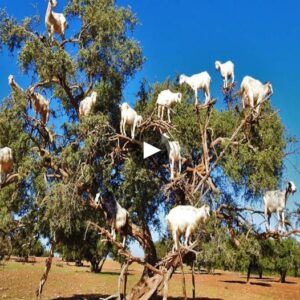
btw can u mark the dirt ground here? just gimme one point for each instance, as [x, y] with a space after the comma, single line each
[66, 282]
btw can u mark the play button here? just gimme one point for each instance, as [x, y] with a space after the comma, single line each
[149, 150]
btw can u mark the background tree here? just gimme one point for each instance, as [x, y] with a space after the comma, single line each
[286, 255]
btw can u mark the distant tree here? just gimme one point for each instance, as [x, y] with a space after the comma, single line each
[81, 249]
[296, 258]
[162, 247]
[38, 249]
[5, 247]
[286, 256]
[265, 259]
[214, 251]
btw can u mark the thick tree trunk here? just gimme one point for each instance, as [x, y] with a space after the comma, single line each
[282, 276]
[95, 265]
[260, 273]
[144, 238]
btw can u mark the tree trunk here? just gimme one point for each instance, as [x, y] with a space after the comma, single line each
[101, 264]
[282, 276]
[248, 272]
[95, 265]
[144, 238]
[296, 270]
[260, 273]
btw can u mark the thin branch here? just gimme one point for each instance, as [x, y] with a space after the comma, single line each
[48, 264]
[122, 251]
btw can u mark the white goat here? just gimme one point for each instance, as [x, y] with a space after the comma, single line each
[275, 201]
[55, 22]
[14, 86]
[6, 163]
[164, 100]
[129, 116]
[40, 106]
[198, 81]
[116, 214]
[86, 105]
[254, 92]
[173, 149]
[227, 72]
[185, 219]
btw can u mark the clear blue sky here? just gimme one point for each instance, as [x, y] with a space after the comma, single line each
[262, 38]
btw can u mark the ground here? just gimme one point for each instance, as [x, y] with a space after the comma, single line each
[19, 281]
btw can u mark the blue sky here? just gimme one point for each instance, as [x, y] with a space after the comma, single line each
[262, 38]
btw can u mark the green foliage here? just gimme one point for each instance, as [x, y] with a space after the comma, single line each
[5, 246]
[162, 247]
[12, 35]
[37, 249]
[261, 256]
[258, 167]
[218, 251]
[286, 256]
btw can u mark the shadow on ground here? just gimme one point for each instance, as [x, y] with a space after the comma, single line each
[107, 273]
[99, 297]
[234, 281]
[244, 282]
[261, 282]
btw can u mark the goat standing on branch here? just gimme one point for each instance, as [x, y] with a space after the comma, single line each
[164, 100]
[275, 201]
[6, 163]
[40, 106]
[55, 22]
[198, 81]
[87, 104]
[129, 116]
[185, 219]
[227, 72]
[173, 149]
[253, 93]
[116, 214]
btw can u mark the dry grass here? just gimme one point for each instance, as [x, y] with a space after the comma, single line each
[19, 281]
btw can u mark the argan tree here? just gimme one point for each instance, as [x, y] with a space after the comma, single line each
[59, 167]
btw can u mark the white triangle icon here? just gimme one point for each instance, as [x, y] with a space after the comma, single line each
[149, 150]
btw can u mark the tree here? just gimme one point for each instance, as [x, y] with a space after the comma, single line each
[214, 249]
[60, 167]
[5, 247]
[86, 250]
[286, 257]
[162, 246]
